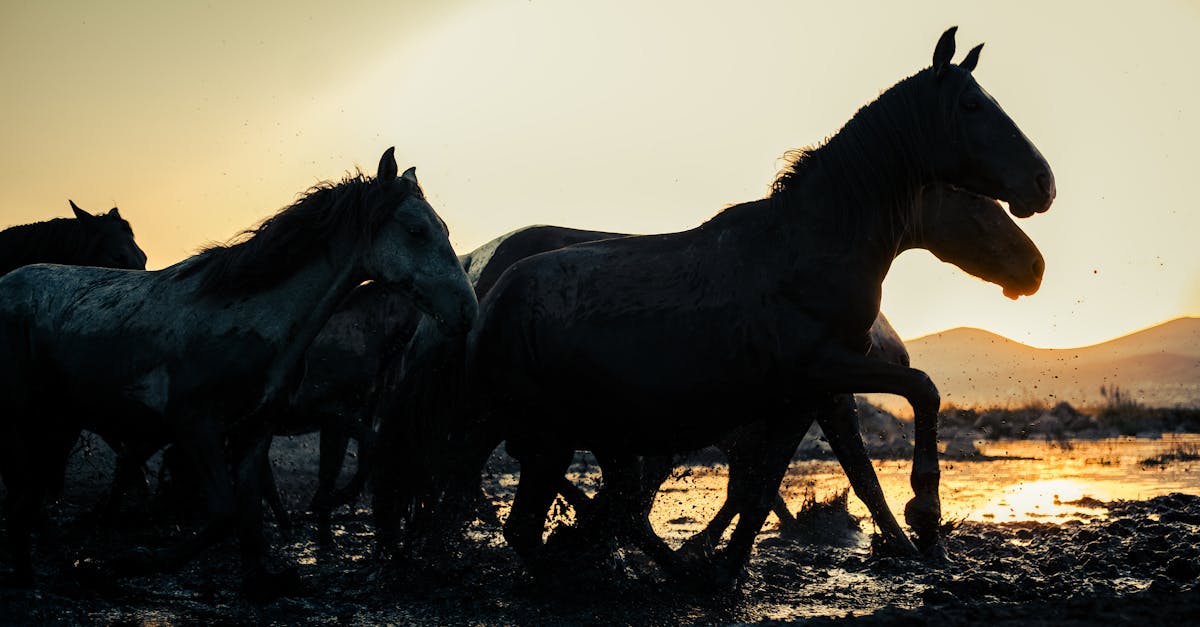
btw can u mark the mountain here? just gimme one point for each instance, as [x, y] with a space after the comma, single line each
[1158, 366]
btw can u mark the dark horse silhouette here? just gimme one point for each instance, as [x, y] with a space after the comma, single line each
[202, 352]
[661, 344]
[966, 230]
[345, 375]
[104, 240]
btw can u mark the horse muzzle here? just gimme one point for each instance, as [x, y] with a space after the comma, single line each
[1037, 196]
[454, 316]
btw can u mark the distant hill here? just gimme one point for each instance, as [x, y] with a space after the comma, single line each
[1158, 366]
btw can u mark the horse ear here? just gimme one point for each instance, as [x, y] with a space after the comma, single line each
[113, 213]
[972, 59]
[944, 52]
[387, 165]
[411, 175]
[79, 213]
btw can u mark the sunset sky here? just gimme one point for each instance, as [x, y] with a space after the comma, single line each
[199, 119]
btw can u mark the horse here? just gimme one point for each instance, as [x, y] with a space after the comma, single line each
[344, 379]
[346, 374]
[661, 344]
[204, 351]
[969, 231]
[1000, 252]
[104, 241]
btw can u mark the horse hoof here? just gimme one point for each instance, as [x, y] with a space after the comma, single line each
[701, 573]
[262, 585]
[883, 546]
[711, 580]
[697, 549]
[924, 515]
[935, 555]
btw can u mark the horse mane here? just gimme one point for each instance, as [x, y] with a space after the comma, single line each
[59, 240]
[266, 254]
[884, 145]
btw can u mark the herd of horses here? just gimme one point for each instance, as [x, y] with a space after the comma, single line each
[349, 313]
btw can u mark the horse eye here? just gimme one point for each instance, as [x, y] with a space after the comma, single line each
[970, 104]
[416, 231]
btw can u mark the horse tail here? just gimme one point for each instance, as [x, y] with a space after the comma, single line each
[423, 454]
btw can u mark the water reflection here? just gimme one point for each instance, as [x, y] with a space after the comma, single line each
[1055, 499]
[1023, 480]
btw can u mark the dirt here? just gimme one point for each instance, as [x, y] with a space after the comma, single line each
[1138, 564]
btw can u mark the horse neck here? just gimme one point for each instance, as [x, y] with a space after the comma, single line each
[855, 196]
[382, 312]
[866, 232]
[52, 241]
[310, 295]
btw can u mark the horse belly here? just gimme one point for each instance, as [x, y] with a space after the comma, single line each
[668, 391]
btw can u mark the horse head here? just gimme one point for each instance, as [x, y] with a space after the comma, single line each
[974, 233]
[110, 240]
[987, 153]
[411, 251]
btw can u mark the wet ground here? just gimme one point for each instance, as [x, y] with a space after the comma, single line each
[1115, 562]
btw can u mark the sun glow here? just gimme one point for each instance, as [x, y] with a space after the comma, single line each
[199, 119]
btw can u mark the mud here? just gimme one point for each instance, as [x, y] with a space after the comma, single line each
[1137, 563]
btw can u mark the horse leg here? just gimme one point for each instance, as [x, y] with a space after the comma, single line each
[924, 511]
[271, 492]
[333, 452]
[541, 472]
[20, 504]
[129, 475]
[348, 494]
[844, 372]
[746, 450]
[30, 474]
[766, 461]
[841, 427]
[741, 451]
[201, 447]
[575, 497]
[653, 472]
[20, 509]
[704, 542]
[250, 453]
[787, 520]
[364, 434]
[621, 509]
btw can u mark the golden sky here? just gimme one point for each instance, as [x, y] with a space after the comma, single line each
[199, 119]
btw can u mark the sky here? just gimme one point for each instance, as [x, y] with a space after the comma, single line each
[200, 119]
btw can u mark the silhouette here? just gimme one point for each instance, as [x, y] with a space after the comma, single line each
[202, 352]
[105, 241]
[1007, 257]
[660, 344]
[347, 372]
[999, 252]
[344, 378]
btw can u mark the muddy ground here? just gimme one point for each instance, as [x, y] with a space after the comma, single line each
[1139, 564]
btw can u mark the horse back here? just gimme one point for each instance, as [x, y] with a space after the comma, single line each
[490, 261]
[604, 324]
